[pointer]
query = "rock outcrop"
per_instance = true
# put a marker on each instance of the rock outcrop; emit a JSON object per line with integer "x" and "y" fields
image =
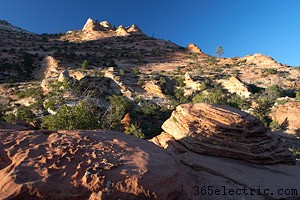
{"x": 153, "y": 89}
{"x": 227, "y": 174}
{"x": 134, "y": 29}
{"x": 225, "y": 131}
{"x": 235, "y": 85}
{"x": 190, "y": 85}
{"x": 262, "y": 60}
{"x": 106, "y": 24}
{"x": 92, "y": 25}
{"x": 49, "y": 72}
{"x": 121, "y": 31}
{"x": 287, "y": 115}
{"x": 87, "y": 165}
{"x": 194, "y": 49}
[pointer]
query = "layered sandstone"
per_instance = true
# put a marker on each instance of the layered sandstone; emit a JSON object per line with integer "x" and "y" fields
{"x": 225, "y": 131}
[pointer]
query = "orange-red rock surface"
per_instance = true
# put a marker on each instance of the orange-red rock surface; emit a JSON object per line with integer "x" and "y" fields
{"x": 288, "y": 115}
{"x": 87, "y": 165}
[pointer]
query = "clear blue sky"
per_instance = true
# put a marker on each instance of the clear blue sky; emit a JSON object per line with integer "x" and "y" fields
{"x": 241, "y": 27}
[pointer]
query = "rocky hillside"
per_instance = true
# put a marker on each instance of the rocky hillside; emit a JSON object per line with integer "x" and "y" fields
{"x": 117, "y": 70}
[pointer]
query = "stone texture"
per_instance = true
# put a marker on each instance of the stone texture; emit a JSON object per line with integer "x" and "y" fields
{"x": 235, "y": 85}
{"x": 227, "y": 174}
{"x": 287, "y": 115}
{"x": 87, "y": 165}
{"x": 225, "y": 131}
{"x": 126, "y": 121}
{"x": 153, "y": 89}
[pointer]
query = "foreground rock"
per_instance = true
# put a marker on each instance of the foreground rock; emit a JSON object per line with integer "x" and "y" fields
{"x": 234, "y": 179}
{"x": 87, "y": 165}
{"x": 225, "y": 131}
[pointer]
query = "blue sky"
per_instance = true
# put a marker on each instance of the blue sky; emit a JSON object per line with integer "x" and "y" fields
{"x": 241, "y": 27}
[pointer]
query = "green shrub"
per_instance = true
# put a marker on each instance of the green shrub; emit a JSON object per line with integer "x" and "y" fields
{"x": 238, "y": 102}
{"x": 117, "y": 109}
{"x": 135, "y": 131}
{"x": 297, "y": 96}
{"x": 180, "y": 81}
{"x": 84, "y": 115}
{"x": 215, "y": 96}
{"x": 25, "y": 113}
{"x": 122, "y": 73}
{"x": 85, "y": 64}
{"x": 112, "y": 63}
{"x": 269, "y": 71}
{"x": 9, "y": 118}
{"x": 274, "y": 92}
{"x": 261, "y": 111}
{"x": 274, "y": 125}
{"x": 135, "y": 71}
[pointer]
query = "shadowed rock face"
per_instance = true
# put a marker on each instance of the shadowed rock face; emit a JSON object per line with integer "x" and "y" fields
{"x": 225, "y": 131}
{"x": 87, "y": 165}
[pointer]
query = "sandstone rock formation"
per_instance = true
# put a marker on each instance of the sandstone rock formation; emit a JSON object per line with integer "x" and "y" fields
{"x": 227, "y": 174}
{"x": 121, "y": 31}
{"x": 195, "y": 49}
{"x": 92, "y": 25}
{"x": 87, "y": 165}
{"x": 49, "y": 68}
{"x": 190, "y": 85}
{"x": 234, "y": 85}
{"x": 153, "y": 89}
{"x": 288, "y": 115}
{"x": 260, "y": 59}
{"x": 106, "y": 24}
{"x": 49, "y": 72}
{"x": 77, "y": 75}
{"x": 225, "y": 131}
{"x": 134, "y": 29}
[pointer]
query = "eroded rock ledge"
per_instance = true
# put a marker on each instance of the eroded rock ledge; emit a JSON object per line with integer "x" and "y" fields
{"x": 227, "y": 132}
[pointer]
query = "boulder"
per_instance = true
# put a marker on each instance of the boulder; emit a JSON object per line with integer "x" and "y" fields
{"x": 227, "y": 132}
{"x": 87, "y": 165}
{"x": 77, "y": 75}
